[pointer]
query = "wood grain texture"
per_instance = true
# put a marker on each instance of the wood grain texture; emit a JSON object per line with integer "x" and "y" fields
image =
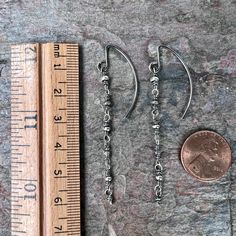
{"x": 203, "y": 32}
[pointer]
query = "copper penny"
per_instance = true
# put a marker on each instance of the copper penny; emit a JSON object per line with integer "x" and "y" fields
{"x": 206, "y": 155}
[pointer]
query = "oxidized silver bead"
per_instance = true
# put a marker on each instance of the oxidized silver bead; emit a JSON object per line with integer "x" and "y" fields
{"x": 157, "y": 155}
{"x": 156, "y": 126}
{"x": 107, "y": 153}
{"x": 107, "y": 103}
{"x": 108, "y": 178}
{"x": 154, "y": 79}
{"x": 154, "y": 102}
{"x": 107, "y": 123}
{"x": 107, "y": 148}
{"x": 109, "y": 198}
{"x": 158, "y": 199}
{"x": 105, "y": 83}
{"x": 107, "y": 128}
{"x": 104, "y": 78}
{"x": 155, "y": 114}
{"x": 159, "y": 178}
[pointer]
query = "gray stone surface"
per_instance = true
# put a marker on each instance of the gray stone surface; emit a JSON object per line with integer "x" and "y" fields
{"x": 204, "y": 33}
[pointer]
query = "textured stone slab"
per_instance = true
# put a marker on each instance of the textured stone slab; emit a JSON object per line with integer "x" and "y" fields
{"x": 203, "y": 32}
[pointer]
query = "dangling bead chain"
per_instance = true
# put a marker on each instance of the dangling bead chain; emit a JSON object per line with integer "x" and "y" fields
{"x": 107, "y": 137}
{"x": 156, "y": 128}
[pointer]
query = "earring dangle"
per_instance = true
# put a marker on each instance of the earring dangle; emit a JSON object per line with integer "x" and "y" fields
{"x": 155, "y": 68}
{"x": 103, "y": 67}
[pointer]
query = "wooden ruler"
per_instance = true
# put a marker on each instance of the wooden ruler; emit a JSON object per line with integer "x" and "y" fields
{"x": 45, "y": 140}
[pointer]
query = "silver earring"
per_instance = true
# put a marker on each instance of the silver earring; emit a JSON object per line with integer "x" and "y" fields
{"x": 155, "y": 68}
{"x": 103, "y": 67}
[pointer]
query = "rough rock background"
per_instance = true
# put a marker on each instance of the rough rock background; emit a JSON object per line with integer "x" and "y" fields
{"x": 204, "y": 33}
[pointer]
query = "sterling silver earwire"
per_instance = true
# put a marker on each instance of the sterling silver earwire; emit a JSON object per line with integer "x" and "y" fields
{"x": 103, "y": 67}
{"x": 155, "y": 67}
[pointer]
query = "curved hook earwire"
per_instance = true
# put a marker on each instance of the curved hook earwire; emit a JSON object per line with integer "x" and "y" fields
{"x": 186, "y": 69}
{"x": 106, "y": 66}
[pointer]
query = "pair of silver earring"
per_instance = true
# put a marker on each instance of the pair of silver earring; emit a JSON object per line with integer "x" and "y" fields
{"x": 154, "y": 68}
